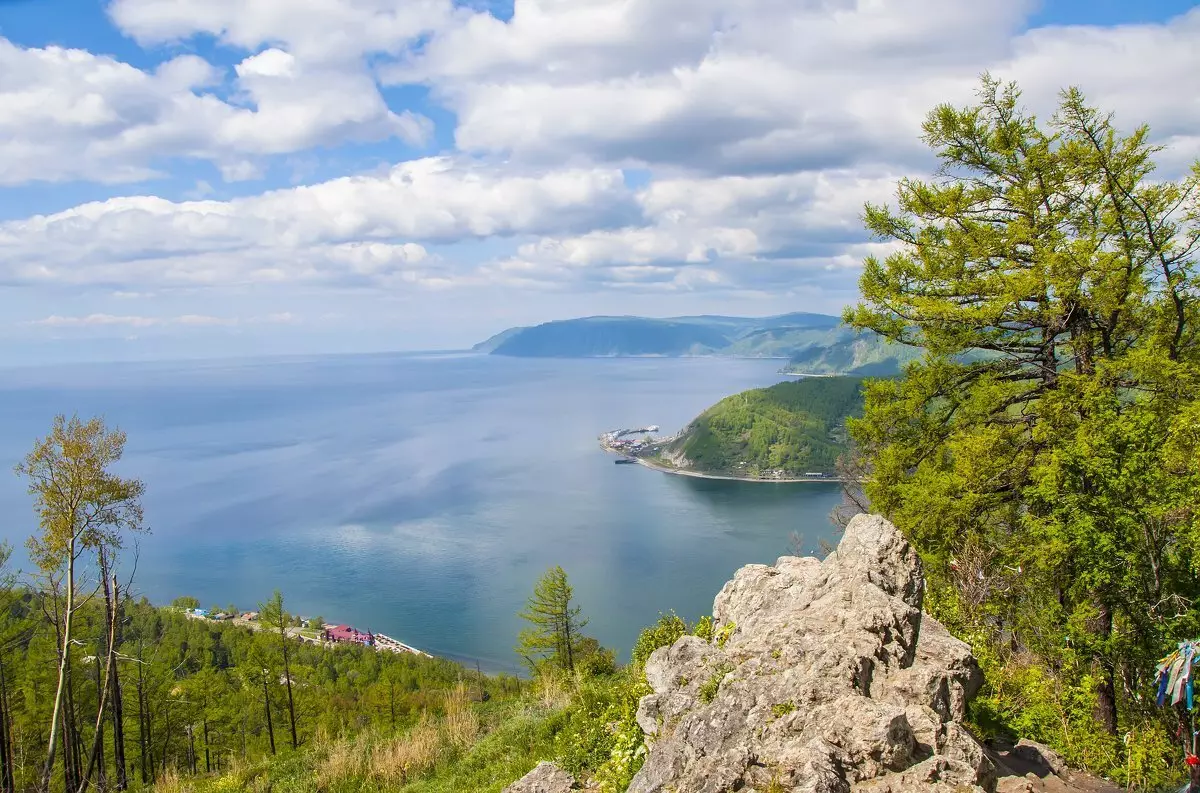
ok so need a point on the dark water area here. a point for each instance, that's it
(419, 495)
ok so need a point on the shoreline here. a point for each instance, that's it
(698, 475)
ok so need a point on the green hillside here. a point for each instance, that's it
(794, 427)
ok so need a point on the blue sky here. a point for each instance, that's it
(220, 177)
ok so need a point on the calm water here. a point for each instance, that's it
(420, 496)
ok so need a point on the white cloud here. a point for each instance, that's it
(312, 30)
(357, 229)
(761, 126)
(69, 114)
(773, 85)
(711, 85)
(748, 232)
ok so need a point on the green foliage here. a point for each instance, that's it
(186, 672)
(601, 739)
(1050, 485)
(796, 427)
(556, 626)
(185, 602)
(724, 633)
(704, 628)
(592, 660)
(709, 688)
(661, 634)
(781, 709)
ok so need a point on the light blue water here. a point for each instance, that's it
(419, 496)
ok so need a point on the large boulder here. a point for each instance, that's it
(825, 677)
(545, 778)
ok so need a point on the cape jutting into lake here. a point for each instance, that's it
(419, 495)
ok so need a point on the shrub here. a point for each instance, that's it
(661, 634)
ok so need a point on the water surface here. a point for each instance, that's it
(420, 495)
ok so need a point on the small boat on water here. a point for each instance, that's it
(625, 460)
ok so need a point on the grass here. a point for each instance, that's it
(470, 747)
(708, 690)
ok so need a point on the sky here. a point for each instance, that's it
(234, 177)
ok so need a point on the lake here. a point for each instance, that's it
(419, 495)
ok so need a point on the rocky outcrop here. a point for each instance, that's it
(825, 677)
(545, 778)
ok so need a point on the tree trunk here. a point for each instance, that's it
(1106, 693)
(567, 637)
(287, 676)
(6, 758)
(114, 681)
(166, 744)
(63, 659)
(267, 707)
(207, 762)
(143, 725)
(70, 734)
(95, 757)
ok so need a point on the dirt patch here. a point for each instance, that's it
(1029, 768)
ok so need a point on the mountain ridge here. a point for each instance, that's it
(811, 343)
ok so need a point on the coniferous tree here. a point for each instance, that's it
(273, 614)
(1042, 454)
(556, 624)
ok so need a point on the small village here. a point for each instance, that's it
(622, 442)
(312, 630)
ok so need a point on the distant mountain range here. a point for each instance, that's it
(812, 343)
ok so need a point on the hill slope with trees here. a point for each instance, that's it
(791, 428)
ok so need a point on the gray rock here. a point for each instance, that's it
(545, 778)
(1045, 760)
(829, 680)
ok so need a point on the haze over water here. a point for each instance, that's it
(419, 495)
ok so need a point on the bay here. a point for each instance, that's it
(419, 495)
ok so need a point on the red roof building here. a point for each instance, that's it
(344, 633)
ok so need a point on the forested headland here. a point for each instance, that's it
(788, 429)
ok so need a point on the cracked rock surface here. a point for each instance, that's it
(830, 680)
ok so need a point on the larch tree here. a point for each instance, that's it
(1042, 453)
(83, 508)
(555, 624)
(272, 614)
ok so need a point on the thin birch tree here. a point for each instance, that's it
(82, 507)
